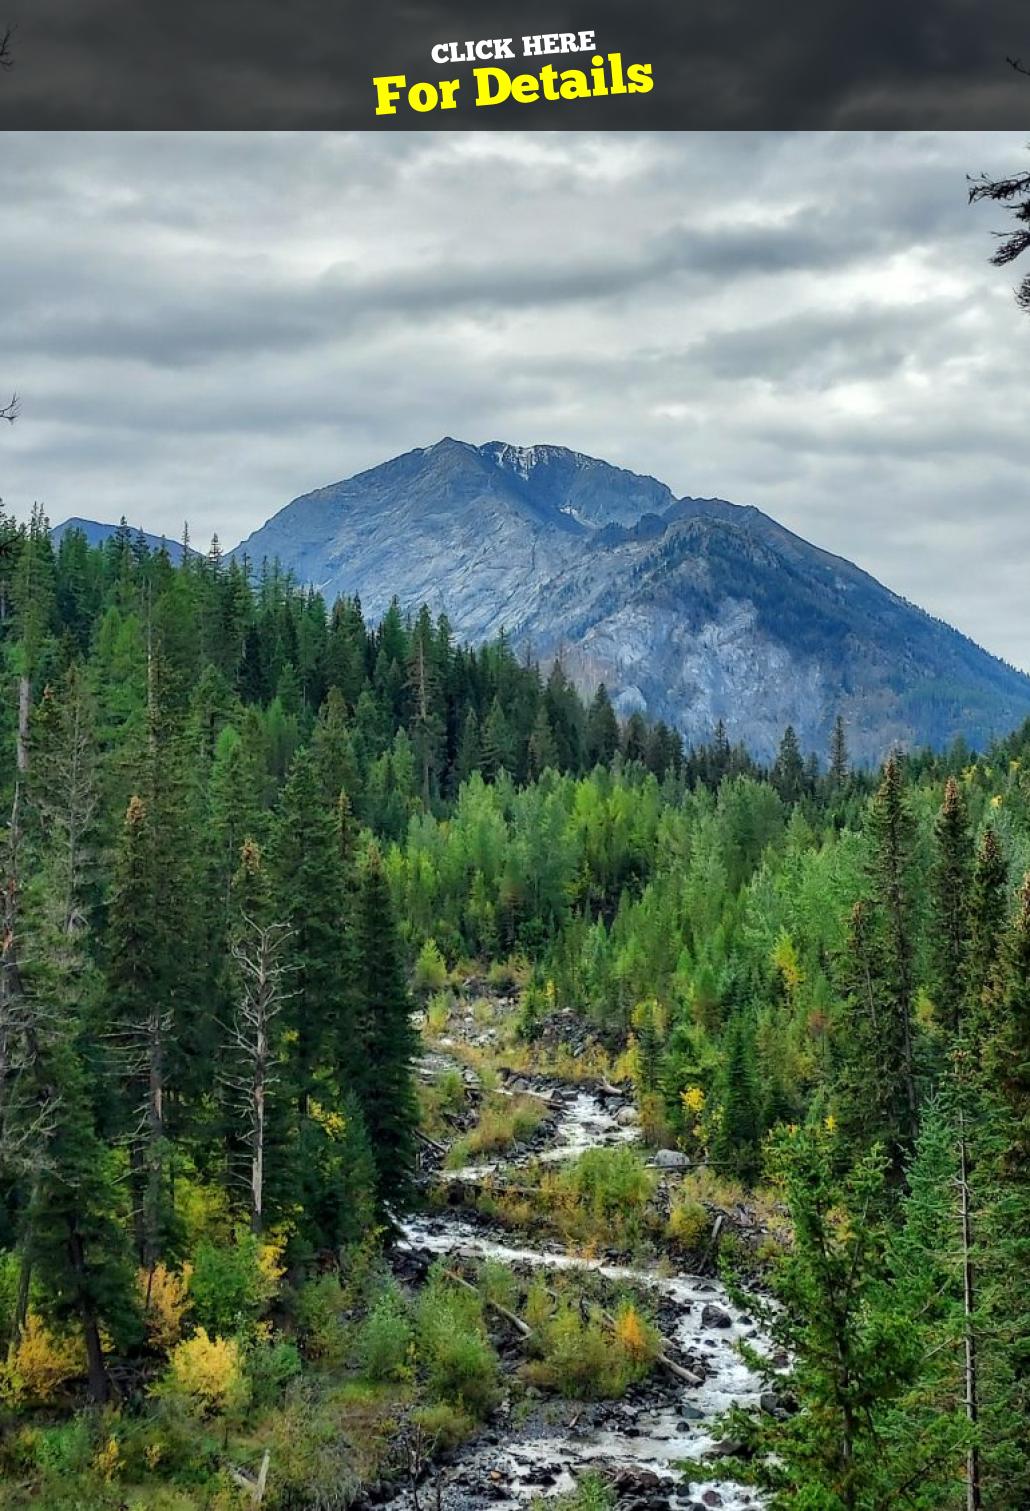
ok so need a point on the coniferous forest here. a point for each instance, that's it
(307, 919)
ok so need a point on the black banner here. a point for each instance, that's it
(597, 64)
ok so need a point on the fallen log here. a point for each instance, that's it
(713, 1240)
(678, 1370)
(255, 1487)
(546, 1097)
(502, 1311)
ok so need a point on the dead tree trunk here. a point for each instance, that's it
(258, 959)
(24, 709)
(155, 1133)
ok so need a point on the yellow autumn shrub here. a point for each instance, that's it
(107, 1461)
(39, 1363)
(207, 1372)
(688, 1223)
(163, 1293)
(634, 1336)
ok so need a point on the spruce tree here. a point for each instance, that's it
(308, 883)
(788, 774)
(498, 752)
(856, 1436)
(602, 733)
(543, 748)
(839, 764)
(427, 724)
(387, 1039)
(736, 1145)
(892, 834)
(987, 904)
(78, 1246)
(469, 758)
(135, 980)
(634, 741)
(333, 748)
(950, 901)
(1006, 1067)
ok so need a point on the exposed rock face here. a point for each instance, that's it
(688, 609)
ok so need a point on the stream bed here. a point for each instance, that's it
(640, 1440)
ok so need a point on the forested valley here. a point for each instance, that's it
(315, 931)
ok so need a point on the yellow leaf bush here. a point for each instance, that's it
(108, 1459)
(39, 1363)
(633, 1335)
(207, 1372)
(165, 1302)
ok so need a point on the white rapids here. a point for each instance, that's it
(519, 1469)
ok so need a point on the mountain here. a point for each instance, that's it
(96, 533)
(689, 609)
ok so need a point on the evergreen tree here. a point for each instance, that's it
(839, 764)
(78, 1236)
(388, 1041)
(427, 724)
(469, 751)
(135, 986)
(498, 743)
(854, 1439)
(736, 1146)
(543, 748)
(634, 741)
(987, 905)
(1006, 1067)
(788, 775)
(308, 884)
(892, 835)
(602, 735)
(950, 900)
(333, 748)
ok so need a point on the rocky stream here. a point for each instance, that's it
(637, 1442)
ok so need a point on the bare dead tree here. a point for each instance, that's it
(11, 409)
(6, 47)
(258, 958)
(1013, 192)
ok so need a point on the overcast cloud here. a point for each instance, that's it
(203, 327)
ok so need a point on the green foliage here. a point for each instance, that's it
(857, 1437)
(270, 1366)
(609, 1182)
(430, 973)
(453, 1348)
(591, 1494)
(231, 1284)
(214, 751)
(384, 1345)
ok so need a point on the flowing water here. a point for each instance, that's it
(649, 1432)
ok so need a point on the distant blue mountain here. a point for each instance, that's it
(689, 609)
(96, 533)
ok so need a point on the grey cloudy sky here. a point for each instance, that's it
(203, 327)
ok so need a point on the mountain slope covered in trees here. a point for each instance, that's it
(690, 610)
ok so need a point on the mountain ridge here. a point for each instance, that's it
(689, 609)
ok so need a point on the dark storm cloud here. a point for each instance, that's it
(204, 327)
(718, 63)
